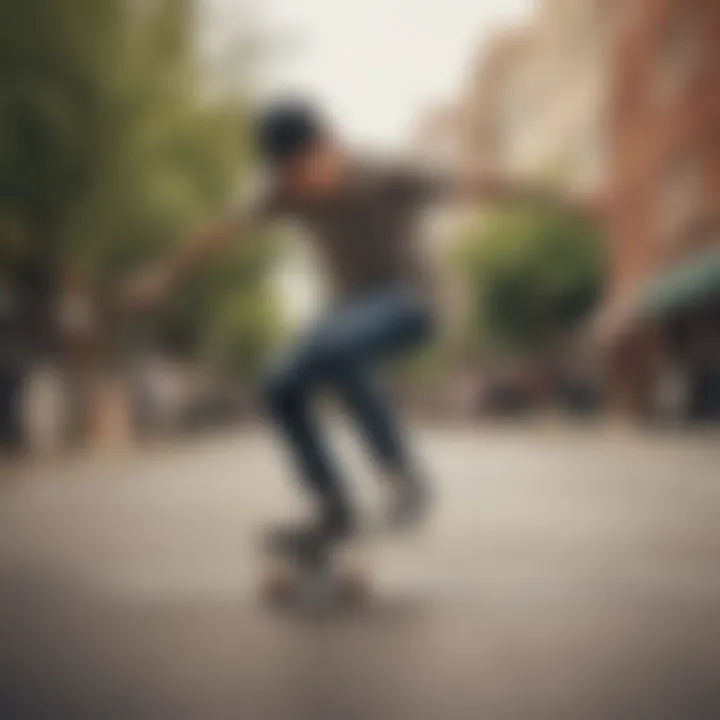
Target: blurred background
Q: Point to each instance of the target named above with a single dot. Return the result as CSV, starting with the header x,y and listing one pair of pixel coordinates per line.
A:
x,y
568,410
124,125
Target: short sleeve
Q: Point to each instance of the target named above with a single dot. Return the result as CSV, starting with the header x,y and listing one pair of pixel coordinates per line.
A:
x,y
416,182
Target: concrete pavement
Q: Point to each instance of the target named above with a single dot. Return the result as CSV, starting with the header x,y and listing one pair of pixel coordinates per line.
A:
x,y
564,575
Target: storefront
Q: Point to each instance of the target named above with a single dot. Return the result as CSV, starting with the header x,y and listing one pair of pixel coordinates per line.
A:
x,y
684,304
660,342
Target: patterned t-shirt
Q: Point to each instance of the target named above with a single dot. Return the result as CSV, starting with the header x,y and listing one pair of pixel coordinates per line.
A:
x,y
367,230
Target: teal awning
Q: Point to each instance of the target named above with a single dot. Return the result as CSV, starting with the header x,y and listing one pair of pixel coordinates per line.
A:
x,y
682,287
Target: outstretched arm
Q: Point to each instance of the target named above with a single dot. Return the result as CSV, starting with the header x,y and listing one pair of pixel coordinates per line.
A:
x,y
482,186
488,187
155,283
205,245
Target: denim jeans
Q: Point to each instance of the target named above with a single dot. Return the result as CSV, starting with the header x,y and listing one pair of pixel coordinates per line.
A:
x,y
341,353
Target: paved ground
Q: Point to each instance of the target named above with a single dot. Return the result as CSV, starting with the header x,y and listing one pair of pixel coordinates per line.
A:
x,y
565,575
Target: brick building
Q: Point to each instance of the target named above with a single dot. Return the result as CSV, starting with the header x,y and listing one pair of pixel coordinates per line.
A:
x,y
535,97
660,324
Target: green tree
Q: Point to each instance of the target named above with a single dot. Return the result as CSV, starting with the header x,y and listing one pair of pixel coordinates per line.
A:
x,y
533,276
111,149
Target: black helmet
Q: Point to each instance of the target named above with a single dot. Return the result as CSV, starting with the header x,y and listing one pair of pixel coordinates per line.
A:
x,y
286,129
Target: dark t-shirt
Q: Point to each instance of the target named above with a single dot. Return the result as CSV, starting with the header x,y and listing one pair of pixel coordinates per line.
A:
x,y
367,230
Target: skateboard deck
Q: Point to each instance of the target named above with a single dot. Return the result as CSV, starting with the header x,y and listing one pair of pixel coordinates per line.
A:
x,y
339,576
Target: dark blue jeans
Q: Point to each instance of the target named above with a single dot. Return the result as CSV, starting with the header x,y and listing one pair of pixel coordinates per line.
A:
x,y
341,353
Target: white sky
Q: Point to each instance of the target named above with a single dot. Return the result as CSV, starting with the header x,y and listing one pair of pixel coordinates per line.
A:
x,y
375,65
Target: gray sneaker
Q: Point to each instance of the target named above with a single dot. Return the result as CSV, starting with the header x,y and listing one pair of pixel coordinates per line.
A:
x,y
409,502
309,543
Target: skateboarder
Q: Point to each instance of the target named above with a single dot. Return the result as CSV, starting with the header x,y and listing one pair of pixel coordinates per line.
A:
x,y
362,214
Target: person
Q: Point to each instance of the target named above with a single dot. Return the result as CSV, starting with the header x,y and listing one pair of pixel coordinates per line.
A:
x,y
363,215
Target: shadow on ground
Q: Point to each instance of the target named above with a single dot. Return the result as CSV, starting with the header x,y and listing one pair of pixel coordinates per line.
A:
x,y
69,655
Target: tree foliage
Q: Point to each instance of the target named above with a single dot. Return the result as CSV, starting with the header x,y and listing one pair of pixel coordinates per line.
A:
x,y
110,151
533,276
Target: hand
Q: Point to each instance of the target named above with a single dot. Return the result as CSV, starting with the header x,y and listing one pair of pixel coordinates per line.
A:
x,y
146,289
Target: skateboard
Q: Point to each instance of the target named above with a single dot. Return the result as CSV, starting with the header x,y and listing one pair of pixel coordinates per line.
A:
x,y
330,574
333,575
